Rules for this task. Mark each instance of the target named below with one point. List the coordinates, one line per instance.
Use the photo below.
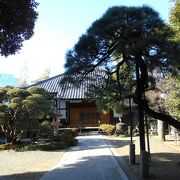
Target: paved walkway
(91, 160)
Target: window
(89, 118)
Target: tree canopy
(133, 37)
(175, 18)
(172, 101)
(175, 14)
(17, 21)
(118, 36)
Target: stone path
(91, 160)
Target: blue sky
(8, 80)
(60, 24)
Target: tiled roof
(68, 90)
(51, 85)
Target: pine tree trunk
(139, 93)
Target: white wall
(62, 104)
(63, 114)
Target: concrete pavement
(91, 160)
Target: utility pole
(132, 156)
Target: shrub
(29, 146)
(15, 147)
(107, 129)
(68, 137)
(45, 146)
(46, 129)
(73, 131)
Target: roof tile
(69, 90)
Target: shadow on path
(91, 160)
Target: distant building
(8, 80)
(71, 105)
(74, 108)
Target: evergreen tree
(132, 36)
(17, 20)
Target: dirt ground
(29, 165)
(165, 157)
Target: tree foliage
(175, 18)
(20, 109)
(134, 37)
(172, 102)
(17, 20)
(114, 95)
(175, 14)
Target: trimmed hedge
(64, 140)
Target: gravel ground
(165, 157)
(29, 165)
